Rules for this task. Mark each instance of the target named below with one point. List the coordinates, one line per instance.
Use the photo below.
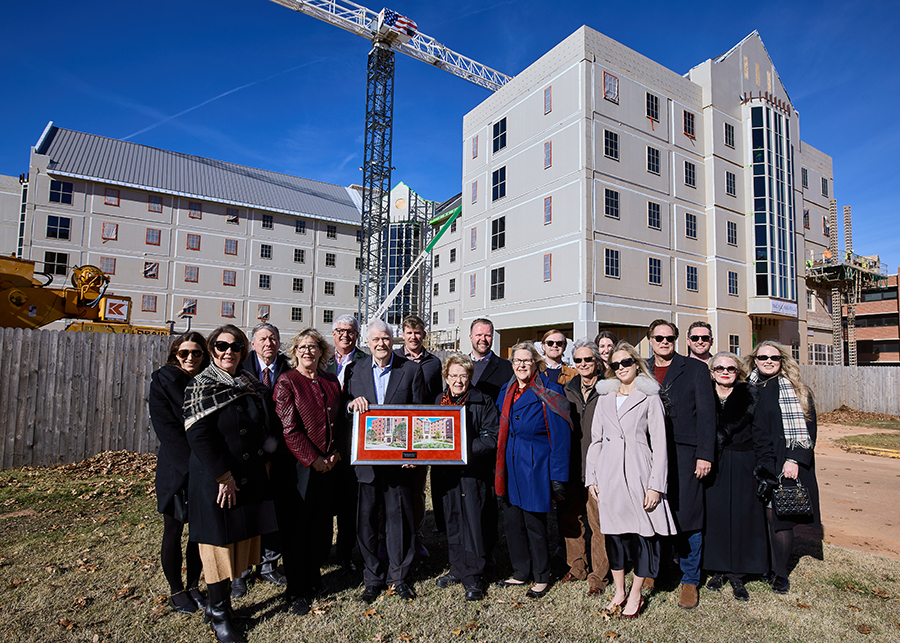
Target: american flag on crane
(400, 24)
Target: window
(232, 215)
(810, 300)
(611, 145)
(452, 286)
(734, 344)
(434, 318)
(824, 186)
(330, 259)
(435, 289)
(231, 246)
(826, 230)
(689, 124)
(193, 243)
(152, 237)
(653, 160)
(475, 146)
(806, 218)
(296, 314)
(498, 184)
(191, 273)
(265, 282)
(359, 236)
(548, 100)
(188, 306)
(151, 270)
(453, 227)
(471, 285)
(610, 87)
(58, 227)
(299, 255)
(498, 283)
(229, 277)
(329, 288)
(548, 267)
(268, 222)
(331, 232)
(730, 184)
(690, 225)
(111, 197)
(611, 203)
(262, 312)
(452, 255)
(732, 283)
(109, 231)
(451, 316)
(548, 210)
(731, 233)
(653, 107)
(654, 271)
(804, 175)
(611, 263)
(474, 191)
(692, 281)
(357, 263)
(474, 243)
(548, 154)
(195, 210)
(437, 261)
(299, 227)
(56, 263)
(108, 265)
(690, 174)
(148, 303)
(61, 192)
(498, 233)
(298, 284)
(729, 135)
(265, 251)
(154, 203)
(327, 316)
(356, 290)
(499, 138)
(227, 309)
(654, 220)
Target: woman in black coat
(227, 417)
(465, 490)
(735, 541)
(787, 412)
(187, 357)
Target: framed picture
(410, 435)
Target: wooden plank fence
(865, 388)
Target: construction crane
(389, 32)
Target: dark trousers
(526, 538)
(269, 553)
(570, 520)
(463, 504)
(392, 490)
(642, 551)
(345, 508)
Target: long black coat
(735, 539)
(497, 373)
(166, 400)
(690, 433)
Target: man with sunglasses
(554, 345)
(691, 438)
(700, 341)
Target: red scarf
(447, 399)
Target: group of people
(645, 461)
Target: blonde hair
(741, 366)
(324, 348)
(539, 363)
(789, 368)
(633, 354)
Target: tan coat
(627, 457)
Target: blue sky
(251, 82)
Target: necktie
(266, 379)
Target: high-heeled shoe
(617, 607)
(637, 611)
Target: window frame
(472, 284)
(263, 312)
(611, 144)
(475, 191)
(192, 237)
(689, 121)
(225, 275)
(452, 255)
(267, 222)
(654, 271)
(654, 159)
(474, 238)
(327, 316)
(64, 191)
(299, 255)
(730, 183)
(330, 260)
(729, 135)
(330, 231)
(111, 199)
(690, 174)
(690, 225)
(548, 154)
(548, 99)
(611, 202)
(54, 267)
(151, 270)
(732, 280)
(233, 216)
(195, 273)
(265, 251)
(475, 146)
(109, 231)
(731, 233)
(296, 314)
(58, 227)
(825, 187)
(154, 203)
(498, 233)
(498, 135)
(652, 106)
(548, 210)
(650, 215)
(328, 288)
(611, 263)
(147, 240)
(498, 283)
(299, 226)
(692, 276)
(498, 183)
(189, 309)
(264, 281)
(451, 286)
(548, 267)
(195, 212)
(610, 87)
(145, 299)
(235, 242)
(107, 260)
(223, 311)
(297, 284)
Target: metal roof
(97, 158)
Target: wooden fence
(866, 388)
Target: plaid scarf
(549, 398)
(213, 389)
(796, 435)
(447, 399)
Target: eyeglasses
(553, 342)
(664, 338)
(462, 376)
(307, 348)
(586, 360)
(700, 338)
(770, 358)
(344, 331)
(195, 353)
(628, 362)
(728, 369)
(522, 362)
(236, 347)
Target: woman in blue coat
(532, 464)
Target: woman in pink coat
(626, 473)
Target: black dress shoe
(404, 591)
(474, 593)
(198, 598)
(371, 593)
(508, 583)
(182, 603)
(275, 577)
(533, 594)
(781, 585)
(740, 592)
(298, 605)
(716, 582)
(769, 578)
(238, 588)
(447, 580)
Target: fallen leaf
(880, 593)
(863, 629)
(390, 591)
(471, 625)
(323, 608)
(405, 637)
(159, 610)
(612, 635)
(802, 605)
(372, 613)
(515, 602)
(66, 623)
(125, 592)
(96, 638)
(81, 601)
(16, 583)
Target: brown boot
(689, 597)
(649, 584)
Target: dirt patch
(19, 514)
(845, 415)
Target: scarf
(796, 435)
(449, 400)
(213, 389)
(549, 399)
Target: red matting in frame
(410, 435)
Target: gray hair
(349, 320)
(379, 325)
(586, 343)
(265, 326)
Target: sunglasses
(727, 369)
(553, 342)
(236, 347)
(768, 358)
(195, 353)
(664, 338)
(628, 362)
(586, 360)
(700, 338)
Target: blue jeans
(690, 549)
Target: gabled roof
(754, 34)
(96, 158)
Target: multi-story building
(878, 325)
(602, 190)
(182, 234)
(10, 206)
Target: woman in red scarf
(532, 464)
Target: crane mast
(381, 29)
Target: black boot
(218, 613)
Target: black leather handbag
(792, 501)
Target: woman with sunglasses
(785, 412)
(735, 539)
(626, 474)
(187, 357)
(227, 417)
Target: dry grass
(877, 440)
(79, 562)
